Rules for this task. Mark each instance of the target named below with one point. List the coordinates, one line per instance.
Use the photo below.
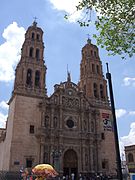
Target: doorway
(70, 164)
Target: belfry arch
(70, 163)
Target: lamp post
(56, 159)
(118, 160)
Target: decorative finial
(88, 40)
(68, 75)
(35, 21)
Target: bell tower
(31, 71)
(24, 116)
(92, 81)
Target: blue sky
(63, 43)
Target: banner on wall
(107, 122)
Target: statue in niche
(55, 122)
(46, 122)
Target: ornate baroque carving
(70, 102)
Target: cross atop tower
(35, 21)
(88, 40)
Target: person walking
(72, 176)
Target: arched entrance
(70, 163)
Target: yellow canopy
(44, 170)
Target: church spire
(31, 70)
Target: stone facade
(72, 129)
(130, 158)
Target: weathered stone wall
(20, 144)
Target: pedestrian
(72, 176)
(80, 177)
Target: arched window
(29, 77)
(37, 79)
(101, 91)
(37, 54)
(97, 69)
(130, 157)
(95, 90)
(31, 52)
(93, 68)
(33, 36)
(38, 36)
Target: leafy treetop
(115, 24)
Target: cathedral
(71, 129)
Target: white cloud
(68, 6)
(14, 37)
(120, 112)
(3, 119)
(3, 105)
(128, 81)
(129, 139)
(132, 113)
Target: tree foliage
(115, 23)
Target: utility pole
(118, 160)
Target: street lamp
(119, 171)
(56, 158)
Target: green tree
(115, 23)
